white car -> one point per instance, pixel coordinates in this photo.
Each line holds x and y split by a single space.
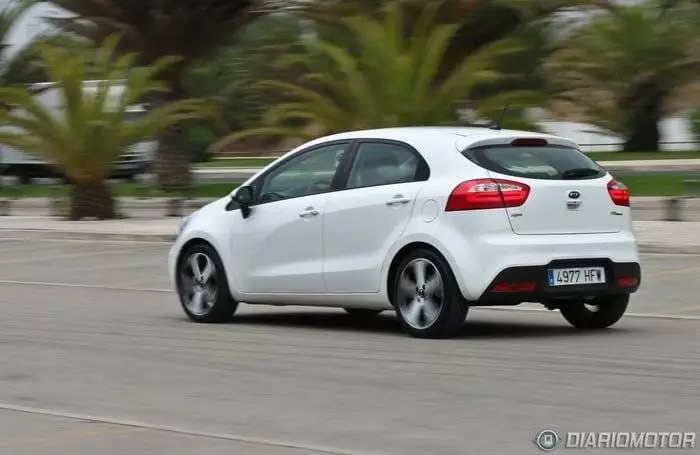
426 221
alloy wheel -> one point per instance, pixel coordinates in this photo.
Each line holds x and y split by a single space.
420 293
199 284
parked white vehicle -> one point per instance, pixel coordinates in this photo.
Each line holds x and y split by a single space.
135 160
427 221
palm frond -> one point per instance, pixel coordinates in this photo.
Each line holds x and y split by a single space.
90 129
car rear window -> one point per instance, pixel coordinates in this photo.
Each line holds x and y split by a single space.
536 162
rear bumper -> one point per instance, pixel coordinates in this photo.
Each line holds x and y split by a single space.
621 278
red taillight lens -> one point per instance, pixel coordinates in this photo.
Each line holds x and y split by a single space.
619 193
628 282
483 194
515 287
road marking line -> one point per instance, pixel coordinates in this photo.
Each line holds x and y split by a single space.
177 430
671 272
87 286
635 315
150 265
135 289
29 239
68 256
9 248
67 436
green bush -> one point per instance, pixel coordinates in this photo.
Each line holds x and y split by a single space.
198 139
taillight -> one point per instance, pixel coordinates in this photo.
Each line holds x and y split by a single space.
487 194
515 287
628 282
619 193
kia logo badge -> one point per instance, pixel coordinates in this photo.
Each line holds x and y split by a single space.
574 194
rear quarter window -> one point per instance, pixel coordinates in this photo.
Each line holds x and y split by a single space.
535 162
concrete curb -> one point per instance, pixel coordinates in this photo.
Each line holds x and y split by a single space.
644 247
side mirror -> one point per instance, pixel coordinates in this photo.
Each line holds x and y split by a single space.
244 197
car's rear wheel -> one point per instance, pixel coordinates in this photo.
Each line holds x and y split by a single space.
426 296
202 285
597 313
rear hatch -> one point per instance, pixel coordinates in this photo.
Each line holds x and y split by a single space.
568 192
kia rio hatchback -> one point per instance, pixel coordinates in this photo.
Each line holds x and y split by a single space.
424 221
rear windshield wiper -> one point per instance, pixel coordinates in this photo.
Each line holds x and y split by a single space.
578 173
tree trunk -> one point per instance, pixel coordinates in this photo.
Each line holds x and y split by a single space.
645 107
172 160
92 199
643 126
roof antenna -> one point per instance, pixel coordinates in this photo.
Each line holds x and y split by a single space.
497 125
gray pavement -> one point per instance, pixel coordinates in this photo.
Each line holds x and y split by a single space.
98 358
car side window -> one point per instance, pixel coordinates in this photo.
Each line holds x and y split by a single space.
380 163
309 173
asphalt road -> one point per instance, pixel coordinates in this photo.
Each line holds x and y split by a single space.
99 359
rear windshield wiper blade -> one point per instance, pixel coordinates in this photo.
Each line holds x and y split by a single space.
580 173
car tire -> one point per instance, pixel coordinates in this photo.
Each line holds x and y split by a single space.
425 294
202 285
599 313
362 313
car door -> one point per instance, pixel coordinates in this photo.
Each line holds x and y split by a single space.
281 240
364 220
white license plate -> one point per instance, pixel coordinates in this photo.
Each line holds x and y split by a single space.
578 275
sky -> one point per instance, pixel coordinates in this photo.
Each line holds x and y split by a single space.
30 24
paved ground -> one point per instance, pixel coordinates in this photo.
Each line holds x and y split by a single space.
652 236
116 369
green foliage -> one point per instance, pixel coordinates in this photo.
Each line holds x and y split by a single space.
154 28
248 56
623 66
479 22
91 130
198 138
190 29
388 80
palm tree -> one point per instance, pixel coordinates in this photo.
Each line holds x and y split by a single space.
186 28
624 66
91 129
480 22
248 56
9 15
389 80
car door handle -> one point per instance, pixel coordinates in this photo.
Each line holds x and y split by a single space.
398 200
309 212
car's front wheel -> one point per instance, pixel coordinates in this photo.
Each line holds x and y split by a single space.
202 285
597 313
426 296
